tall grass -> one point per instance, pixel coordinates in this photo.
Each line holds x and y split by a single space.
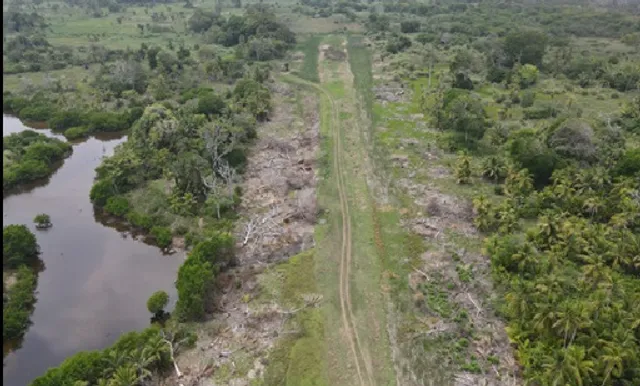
309 69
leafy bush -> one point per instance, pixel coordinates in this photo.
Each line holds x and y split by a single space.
117 205
528 98
93 366
101 191
76 132
140 220
107 121
19 246
162 236
574 139
217 249
409 26
629 163
33 157
36 112
157 302
210 103
13 104
16 309
527 149
23 172
42 219
398 43
540 112
66 119
194 281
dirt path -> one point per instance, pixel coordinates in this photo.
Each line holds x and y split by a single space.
348 319
357 343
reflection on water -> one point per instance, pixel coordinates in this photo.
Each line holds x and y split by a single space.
96 282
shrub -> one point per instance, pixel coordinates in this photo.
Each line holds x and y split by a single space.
24 171
157 302
19 246
107 121
140 220
194 279
36 112
398 43
101 191
17 307
574 139
540 112
210 103
13 104
217 249
134 114
409 26
42 219
528 98
629 163
526 148
162 236
66 119
45 152
426 38
117 205
76 133
90 366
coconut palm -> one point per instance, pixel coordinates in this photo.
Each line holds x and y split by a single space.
463 169
494 168
570 318
126 375
113 360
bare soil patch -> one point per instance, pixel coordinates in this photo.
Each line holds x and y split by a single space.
278 214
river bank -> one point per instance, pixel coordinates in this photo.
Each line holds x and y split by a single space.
96 279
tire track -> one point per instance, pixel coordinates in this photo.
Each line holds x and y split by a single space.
347 316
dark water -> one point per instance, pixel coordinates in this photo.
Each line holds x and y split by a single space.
96 280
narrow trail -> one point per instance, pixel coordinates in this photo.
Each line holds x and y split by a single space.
363 367
348 317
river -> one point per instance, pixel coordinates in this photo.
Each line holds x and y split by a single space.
96 279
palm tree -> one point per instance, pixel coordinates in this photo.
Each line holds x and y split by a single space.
568 367
570 318
494 168
596 272
157 350
519 184
125 376
114 359
592 205
463 169
141 361
576 364
612 358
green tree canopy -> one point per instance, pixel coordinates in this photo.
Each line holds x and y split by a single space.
19 246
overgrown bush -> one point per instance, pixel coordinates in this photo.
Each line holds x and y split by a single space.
101 191
17 308
76 132
195 277
528 98
542 111
162 236
157 302
117 205
19 246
